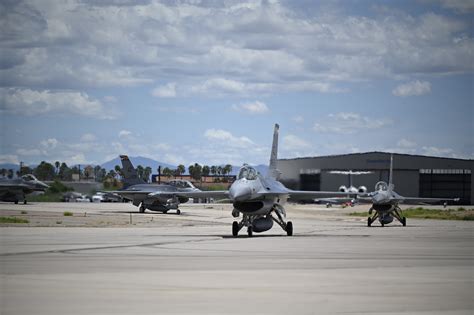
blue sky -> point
(204, 81)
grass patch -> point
(13, 220)
(435, 214)
(47, 197)
(68, 214)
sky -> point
(205, 81)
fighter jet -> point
(385, 201)
(260, 198)
(155, 197)
(15, 190)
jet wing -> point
(302, 194)
(198, 194)
(416, 200)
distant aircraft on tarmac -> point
(347, 189)
(155, 197)
(385, 202)
(260, 198)
(15, 190)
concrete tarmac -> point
(96, 262)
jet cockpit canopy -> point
(29, 177)
(247, 172)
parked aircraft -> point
(15, 190)
(155, 197)
(347, 189)
(385, 201)
(260, 198)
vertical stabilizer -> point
(272, 170)
(130, 175)
(390, 175)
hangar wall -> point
(414, 175)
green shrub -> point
(13, 220)
(68, 214)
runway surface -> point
(97, 262)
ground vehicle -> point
(106, 197)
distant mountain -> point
(7, 166)
(137, 160)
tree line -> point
(61, 171)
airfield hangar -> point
(413, 175)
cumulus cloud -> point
(292, 142)
(349, 123)
(227, 138)
(124, 134)
(79, 44)
(31, 102)
(256, 107)
(167, 90)
(413, 88)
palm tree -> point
(181, 169)
(213, 170)
(205, 170)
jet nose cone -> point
(240, 192)
(42, 186)
(379, 198)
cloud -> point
(227, 139)
(168, 90)
(9, 159)
(88, 137)
(75, 45)
(460, 6)
(406, 144)
(349, 123)
(31, 102)
(297, 119)
(413, 88)
(50, 143)
(256, 107)
(123, 134)
(292, 142)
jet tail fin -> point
(273, 172)
(130, 175)
(390, 175)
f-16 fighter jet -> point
(15, 190)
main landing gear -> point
(396, 213)
(247, 221)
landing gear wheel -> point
(249, 231)
(25, 202)
(289, 228)
(142, 209)
(235, 229)
(382, 224)
(178, 212)
(16, 202)
(369, 221)
(404, 221)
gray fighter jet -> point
(260, 198)
(155, 197)
(15, 190)
(385, 201)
